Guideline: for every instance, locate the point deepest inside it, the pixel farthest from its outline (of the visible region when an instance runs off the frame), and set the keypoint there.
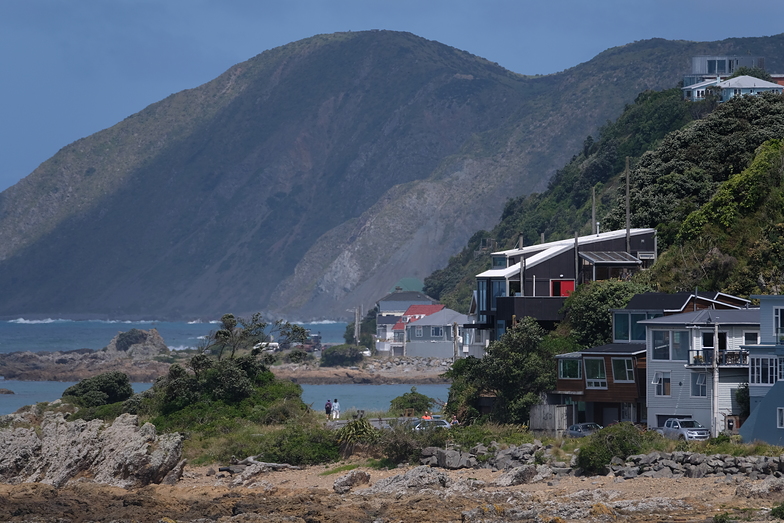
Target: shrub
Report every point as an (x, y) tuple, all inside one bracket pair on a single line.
[(411, 400), (296, 444), (777, 511), (621, 440), (355, 433), (341, 356), (103, 389)]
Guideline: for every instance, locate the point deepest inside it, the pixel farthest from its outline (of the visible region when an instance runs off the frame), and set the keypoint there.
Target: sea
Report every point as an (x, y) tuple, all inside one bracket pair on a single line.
[(51, 335)]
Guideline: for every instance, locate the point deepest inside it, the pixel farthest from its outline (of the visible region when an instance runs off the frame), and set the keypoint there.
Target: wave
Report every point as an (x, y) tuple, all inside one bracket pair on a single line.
[(22, 321), (182, 347), (319, 322)]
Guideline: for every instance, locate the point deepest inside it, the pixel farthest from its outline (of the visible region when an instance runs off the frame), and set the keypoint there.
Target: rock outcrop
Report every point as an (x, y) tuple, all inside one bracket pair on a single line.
[(137, 344), (121, 454)]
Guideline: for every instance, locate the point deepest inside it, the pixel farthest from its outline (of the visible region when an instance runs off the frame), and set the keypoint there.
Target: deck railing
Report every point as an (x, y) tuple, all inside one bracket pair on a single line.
[(704, 358)]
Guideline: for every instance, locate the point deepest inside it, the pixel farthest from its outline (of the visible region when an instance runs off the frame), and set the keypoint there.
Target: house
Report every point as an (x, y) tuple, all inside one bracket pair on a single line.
[(709, 67), (536, 280), (727, 89), (604, 384), (607, 384), (766, 375), (389, 310), (696, 361), (413, 313), (433, 336)]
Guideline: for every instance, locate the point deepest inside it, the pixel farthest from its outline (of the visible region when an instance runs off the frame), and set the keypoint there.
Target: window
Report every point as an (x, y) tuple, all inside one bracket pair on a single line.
[(418, 332), (662, 382), (661, 345), (638, 330), (499, 262), (436, 332), (778, 324), (500, 329), (763, 370), (698, 384), (621, 326), (482, 295), (780, 417), (499, 290), (569, 369), (707, 341), (623, 370), (595, 376), (750, 338)]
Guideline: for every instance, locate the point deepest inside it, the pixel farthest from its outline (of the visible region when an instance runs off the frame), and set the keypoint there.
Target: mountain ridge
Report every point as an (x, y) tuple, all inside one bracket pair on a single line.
[(304, 181)]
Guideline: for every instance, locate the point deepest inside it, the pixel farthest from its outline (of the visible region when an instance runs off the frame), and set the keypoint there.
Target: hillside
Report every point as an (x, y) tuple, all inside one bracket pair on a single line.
[(706, 176), (308, 179)]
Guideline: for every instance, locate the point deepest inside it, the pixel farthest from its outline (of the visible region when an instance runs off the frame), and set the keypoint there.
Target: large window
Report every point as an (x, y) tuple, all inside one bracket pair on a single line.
[(671, 345), (595, 375), (662, 382), (623, 370), (570, 369), (627, 326), (499, 290), (699, 388), (763, 370)]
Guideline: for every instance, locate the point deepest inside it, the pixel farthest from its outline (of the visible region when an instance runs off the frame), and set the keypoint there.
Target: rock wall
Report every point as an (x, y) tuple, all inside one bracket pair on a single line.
[(121, 454)]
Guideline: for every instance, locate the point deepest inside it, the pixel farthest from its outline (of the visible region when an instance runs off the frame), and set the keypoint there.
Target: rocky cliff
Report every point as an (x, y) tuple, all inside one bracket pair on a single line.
[(120, 454)]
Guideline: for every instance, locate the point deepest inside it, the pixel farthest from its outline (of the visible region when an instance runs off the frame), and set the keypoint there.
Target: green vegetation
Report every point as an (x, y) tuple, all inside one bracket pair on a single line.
[(621, 440), (103, 389), (515, 371), (341, 356), (419, 403), (588, 309)]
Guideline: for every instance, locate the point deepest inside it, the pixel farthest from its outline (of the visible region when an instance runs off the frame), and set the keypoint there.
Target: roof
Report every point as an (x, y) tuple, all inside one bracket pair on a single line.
[(423, 310), (407, 296), (441, 318), (700, 85), (675, 302), (386, 319), (611, 348), (709, 317), (610, 258), (617, 348), (546, 251), (747, 82)]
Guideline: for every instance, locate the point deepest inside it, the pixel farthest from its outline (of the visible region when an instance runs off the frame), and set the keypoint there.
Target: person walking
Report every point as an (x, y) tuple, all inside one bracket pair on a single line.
[(335, 409), (328, 409)]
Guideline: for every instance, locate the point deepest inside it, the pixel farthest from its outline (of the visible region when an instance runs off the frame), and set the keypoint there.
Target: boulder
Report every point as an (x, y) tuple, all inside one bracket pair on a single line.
[(517, 476), (137, 344), (121, 454), (345, 483)]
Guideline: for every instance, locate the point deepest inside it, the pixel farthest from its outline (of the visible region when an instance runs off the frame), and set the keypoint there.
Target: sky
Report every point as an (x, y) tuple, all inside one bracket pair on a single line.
[(70, 68)]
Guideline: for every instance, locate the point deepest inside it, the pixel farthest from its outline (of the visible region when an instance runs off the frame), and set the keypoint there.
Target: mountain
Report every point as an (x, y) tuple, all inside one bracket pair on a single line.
[(308, 179)]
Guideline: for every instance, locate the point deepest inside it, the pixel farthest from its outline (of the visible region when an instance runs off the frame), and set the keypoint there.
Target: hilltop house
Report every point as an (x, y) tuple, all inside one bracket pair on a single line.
[(535, 281), (710, 67), (696, 361), (607, 384), (766, 375), (738, 86), (433, 336)]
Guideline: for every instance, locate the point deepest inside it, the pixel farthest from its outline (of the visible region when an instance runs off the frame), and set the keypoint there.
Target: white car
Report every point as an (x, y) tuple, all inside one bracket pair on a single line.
[(685, 429)]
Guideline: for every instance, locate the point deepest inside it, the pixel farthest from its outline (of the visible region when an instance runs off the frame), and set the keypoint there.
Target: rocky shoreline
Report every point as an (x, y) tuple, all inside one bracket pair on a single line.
[(79, 472)]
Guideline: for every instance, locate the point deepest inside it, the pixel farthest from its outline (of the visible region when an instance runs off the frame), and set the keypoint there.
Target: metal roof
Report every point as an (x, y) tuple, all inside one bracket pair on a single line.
[(609, 258), (709, 317)]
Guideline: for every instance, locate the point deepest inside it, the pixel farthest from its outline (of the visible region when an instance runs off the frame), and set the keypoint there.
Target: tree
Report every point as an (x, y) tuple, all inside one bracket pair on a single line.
[(411, 400), (250, 334), (589, 309), (517, 370)]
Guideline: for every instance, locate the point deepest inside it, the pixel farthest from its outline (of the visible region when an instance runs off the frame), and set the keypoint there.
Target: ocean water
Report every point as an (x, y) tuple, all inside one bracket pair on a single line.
[(53, 335), (61, 335), (351, 396)]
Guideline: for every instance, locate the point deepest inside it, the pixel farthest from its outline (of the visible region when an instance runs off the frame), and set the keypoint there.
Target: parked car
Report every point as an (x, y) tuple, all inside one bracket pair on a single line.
[(581, 430), (686, 429), (427, 424)]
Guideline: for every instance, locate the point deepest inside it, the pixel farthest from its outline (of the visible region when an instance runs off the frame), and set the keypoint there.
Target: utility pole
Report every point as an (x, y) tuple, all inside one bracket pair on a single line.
[(715, 392), (628, 219), (593, 210), (455, 341), (357, 324)]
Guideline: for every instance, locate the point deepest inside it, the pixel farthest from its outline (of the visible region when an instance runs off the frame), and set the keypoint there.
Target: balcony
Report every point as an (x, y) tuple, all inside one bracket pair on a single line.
[(727, 358)]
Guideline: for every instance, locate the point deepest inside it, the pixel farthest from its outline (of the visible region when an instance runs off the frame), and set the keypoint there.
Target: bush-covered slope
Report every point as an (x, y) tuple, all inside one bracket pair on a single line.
[(711, 189)]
